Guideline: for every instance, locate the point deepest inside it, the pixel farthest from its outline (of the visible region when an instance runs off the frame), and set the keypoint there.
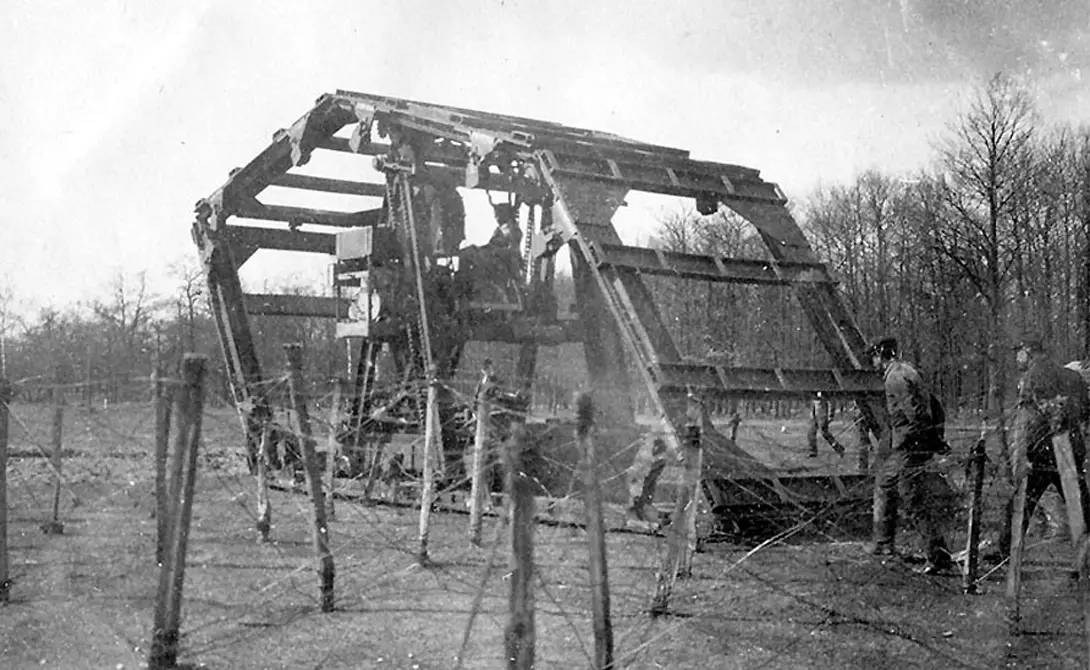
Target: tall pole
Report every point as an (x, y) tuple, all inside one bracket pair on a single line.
[(5, 575), (294, 354), (519, 635), (432, 443), (478, 488), (162, 397), (333, 445), (55, 526), (596, 536), (168, 607)]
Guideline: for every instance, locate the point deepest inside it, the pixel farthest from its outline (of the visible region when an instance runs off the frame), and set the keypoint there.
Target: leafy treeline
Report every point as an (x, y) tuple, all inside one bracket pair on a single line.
[(990, 238)]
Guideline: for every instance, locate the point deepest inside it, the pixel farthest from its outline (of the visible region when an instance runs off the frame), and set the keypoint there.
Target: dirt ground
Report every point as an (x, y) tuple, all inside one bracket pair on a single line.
[(84, 599)]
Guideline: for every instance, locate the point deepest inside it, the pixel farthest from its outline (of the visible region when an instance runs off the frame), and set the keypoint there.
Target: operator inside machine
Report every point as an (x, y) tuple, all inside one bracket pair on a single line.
[(492, 270)]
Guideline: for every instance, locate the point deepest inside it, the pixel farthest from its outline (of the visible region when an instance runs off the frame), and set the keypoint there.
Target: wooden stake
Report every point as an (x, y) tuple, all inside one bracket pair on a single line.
[(976, 479), (432, 444), (313, 472), (1069, 481), (264, 508), (478, 488), (168, 604), (1018, 511), (519, 634), (162, 395), (55, 526), (5, 575), (375, 469), (333, 446), (596, 536)]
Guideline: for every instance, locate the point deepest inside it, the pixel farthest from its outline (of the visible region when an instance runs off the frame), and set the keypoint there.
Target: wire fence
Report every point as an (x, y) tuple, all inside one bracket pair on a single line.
[(796, 590)]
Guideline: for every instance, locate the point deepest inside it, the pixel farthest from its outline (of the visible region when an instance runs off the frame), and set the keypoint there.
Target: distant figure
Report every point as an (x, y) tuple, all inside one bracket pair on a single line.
[(909, 443), (820, 417), (393, 475)]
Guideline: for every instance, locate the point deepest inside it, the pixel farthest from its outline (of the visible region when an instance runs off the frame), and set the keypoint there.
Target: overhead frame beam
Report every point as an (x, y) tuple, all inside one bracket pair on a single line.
[(282, 240), (326, 185), (269, 304), (709, 268), (688, 179), (299, 215)]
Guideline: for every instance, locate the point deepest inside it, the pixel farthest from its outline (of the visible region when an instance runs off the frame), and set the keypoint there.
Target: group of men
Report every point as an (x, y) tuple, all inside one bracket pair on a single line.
[(1051, 400)]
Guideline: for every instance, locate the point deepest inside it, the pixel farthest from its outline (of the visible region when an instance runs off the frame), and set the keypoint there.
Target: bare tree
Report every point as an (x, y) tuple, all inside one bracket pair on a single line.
[(190, 302), (986, 159), (124, 317), (9, 321)]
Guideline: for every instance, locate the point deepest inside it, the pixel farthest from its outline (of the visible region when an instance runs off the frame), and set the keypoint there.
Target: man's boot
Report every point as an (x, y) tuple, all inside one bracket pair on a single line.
[(885, 525)]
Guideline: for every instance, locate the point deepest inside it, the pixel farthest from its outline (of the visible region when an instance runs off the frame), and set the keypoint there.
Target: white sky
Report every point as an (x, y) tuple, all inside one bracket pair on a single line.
[(117, 115)]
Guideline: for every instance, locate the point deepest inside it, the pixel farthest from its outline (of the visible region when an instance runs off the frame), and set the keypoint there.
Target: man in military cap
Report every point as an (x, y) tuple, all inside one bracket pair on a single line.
[(909, 443), (1051, 400)]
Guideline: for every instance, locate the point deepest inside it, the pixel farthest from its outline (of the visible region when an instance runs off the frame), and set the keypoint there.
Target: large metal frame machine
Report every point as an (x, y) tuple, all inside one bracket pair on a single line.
[(404, 279)]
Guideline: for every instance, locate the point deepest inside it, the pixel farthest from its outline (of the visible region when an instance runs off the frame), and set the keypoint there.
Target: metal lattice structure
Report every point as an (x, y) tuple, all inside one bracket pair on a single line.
[(570, 182)]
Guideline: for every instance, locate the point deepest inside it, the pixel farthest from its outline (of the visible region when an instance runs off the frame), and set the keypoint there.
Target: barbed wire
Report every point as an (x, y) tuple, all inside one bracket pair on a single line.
[(374, 546)]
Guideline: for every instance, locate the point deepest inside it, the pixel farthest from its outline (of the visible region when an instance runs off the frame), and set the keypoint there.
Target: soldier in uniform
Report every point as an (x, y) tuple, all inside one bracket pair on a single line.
[(907, 446), (1051, 400), (820, 417)]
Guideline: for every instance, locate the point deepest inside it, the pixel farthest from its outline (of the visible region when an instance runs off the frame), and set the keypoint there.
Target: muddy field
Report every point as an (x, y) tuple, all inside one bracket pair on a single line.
[(84, 599)]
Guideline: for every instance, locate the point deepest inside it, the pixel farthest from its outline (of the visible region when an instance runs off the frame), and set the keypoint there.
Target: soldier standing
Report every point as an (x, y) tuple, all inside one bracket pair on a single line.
[(820, 417), (909, 443), (1051, 400)]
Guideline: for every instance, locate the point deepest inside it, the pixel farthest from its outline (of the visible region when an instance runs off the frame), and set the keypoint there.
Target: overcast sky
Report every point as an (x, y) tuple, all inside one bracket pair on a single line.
[(117, 115)]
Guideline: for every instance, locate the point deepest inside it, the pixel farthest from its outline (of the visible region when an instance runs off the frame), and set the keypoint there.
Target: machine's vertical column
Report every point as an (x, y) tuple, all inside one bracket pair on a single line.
[(232, 324)]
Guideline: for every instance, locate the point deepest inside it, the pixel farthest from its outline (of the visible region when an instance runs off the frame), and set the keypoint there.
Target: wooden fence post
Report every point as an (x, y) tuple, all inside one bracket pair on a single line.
[(678, 549), (1069, 483), (5, 575), (168, 604), (264, 508), (294, 354), (478, 488), (162, 395), (596, 535), (432, 443), (55, 526), (1019, 468), (333, 445), (519, 634), (976, 481)]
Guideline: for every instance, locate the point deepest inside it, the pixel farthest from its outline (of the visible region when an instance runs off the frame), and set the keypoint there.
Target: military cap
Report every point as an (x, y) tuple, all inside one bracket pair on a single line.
[(1029, 340), (886, 347)]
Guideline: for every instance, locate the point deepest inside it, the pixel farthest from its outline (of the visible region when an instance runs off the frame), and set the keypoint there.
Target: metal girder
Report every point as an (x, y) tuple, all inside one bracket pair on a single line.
[(687, 179), (269, 304), (324, 119), (766, 382), (709, 268), (326, 185), (342, 145), (280, 239), (301, 215), (541, 131)]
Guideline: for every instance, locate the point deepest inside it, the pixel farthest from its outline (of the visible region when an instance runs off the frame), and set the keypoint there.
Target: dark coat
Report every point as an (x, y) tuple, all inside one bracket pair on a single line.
[(912, 424)]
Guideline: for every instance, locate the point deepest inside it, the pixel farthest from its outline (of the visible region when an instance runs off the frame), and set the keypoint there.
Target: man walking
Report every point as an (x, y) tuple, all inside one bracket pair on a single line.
[(820, 418), (910, 442), (1051, 400)]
